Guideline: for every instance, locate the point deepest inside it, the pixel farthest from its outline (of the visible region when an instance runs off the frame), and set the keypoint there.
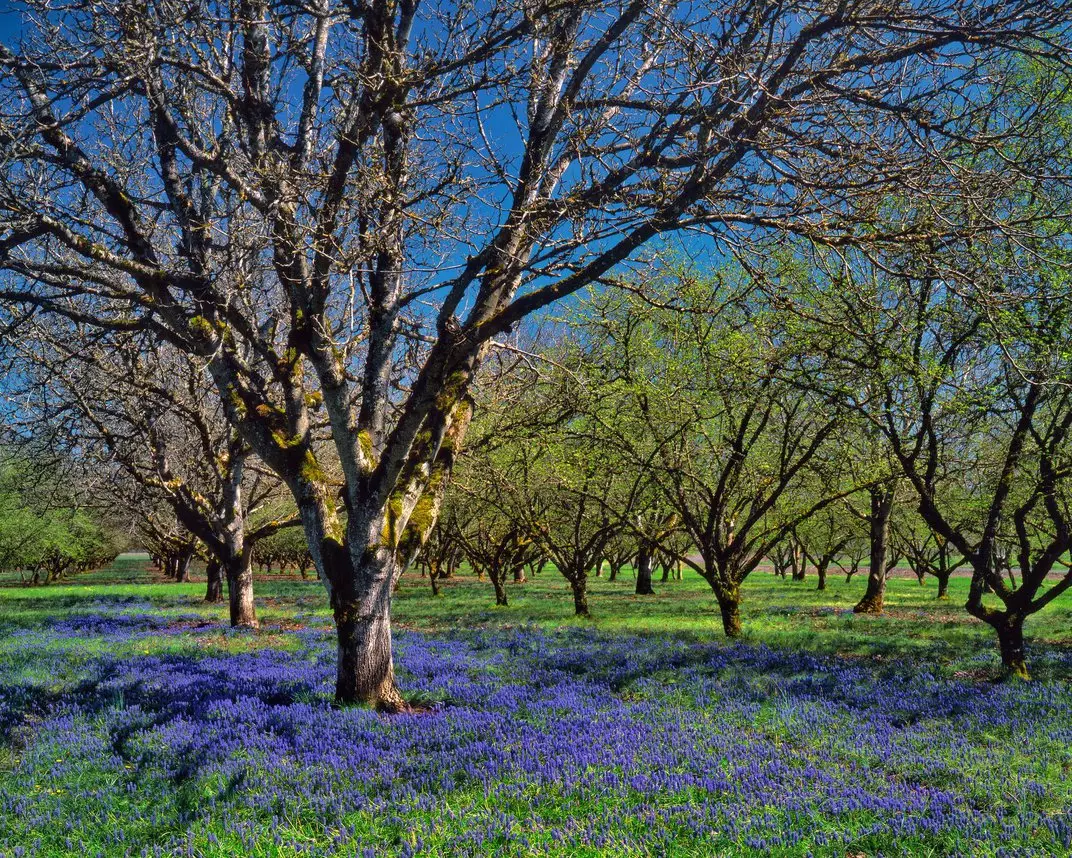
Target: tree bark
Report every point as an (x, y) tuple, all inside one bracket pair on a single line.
[(214, 587), (943, 585), (643, 575), (497, 576), (239, 571), (1011, 641), (579, 586), (182, 565), (800, 563), (881, 508), (365, 670), (820, 570), (730, 606)]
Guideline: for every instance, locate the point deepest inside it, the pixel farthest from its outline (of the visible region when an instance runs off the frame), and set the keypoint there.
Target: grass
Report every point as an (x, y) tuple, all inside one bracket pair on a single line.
[(133, 722)]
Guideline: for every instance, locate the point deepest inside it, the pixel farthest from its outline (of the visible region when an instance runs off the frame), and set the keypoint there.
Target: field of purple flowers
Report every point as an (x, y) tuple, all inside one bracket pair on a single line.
[(131, 731)]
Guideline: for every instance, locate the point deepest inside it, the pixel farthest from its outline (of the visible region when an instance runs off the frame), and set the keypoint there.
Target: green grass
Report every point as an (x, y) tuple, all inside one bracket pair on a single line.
[(775, 612)]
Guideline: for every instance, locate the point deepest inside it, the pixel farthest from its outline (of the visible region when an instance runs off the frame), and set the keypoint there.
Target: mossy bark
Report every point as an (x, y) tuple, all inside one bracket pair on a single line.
[(579, 585), (365, 669), (730, 606), (497, 577), (1010, 632)]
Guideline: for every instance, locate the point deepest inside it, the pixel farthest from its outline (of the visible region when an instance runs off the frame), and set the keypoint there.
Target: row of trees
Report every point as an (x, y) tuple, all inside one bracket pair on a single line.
[(330, 213), (712, 420), (49, 527), (730, 419)]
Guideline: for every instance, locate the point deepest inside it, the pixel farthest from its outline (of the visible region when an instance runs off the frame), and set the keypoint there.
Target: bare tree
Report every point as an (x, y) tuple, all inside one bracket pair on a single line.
[(136, 403), (342, 203)]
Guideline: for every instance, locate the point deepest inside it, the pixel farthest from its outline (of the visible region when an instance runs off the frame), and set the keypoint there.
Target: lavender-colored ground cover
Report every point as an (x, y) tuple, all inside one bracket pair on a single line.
[(130, 735)]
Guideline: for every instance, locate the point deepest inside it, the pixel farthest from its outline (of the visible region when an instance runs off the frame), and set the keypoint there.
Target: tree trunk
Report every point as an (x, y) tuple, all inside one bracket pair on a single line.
[(365, 671), (820, 570), (881, 507), (800, 564), (240, 591), (519, 573), (1011, 640), (579, 586), (943, 585), (729, 604), (182, 568), (497, 576), (643, 574), (214, 587)]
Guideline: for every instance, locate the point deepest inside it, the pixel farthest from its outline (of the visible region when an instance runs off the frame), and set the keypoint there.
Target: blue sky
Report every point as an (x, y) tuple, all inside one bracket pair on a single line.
[(10, 23)]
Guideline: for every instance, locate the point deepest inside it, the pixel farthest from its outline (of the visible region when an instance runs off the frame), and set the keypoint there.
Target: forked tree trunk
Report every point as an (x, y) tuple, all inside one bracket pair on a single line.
[(881, 507), (239, 571), (214, 586), (800, 564), (643, 574)]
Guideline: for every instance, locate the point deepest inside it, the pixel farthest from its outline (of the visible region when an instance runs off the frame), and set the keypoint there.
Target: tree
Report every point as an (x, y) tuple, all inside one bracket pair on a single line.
[(138, 404), (49, 526), (928, 553), (824, 537), (972, 356), (689, 386), (340, 204), (554, 492)]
